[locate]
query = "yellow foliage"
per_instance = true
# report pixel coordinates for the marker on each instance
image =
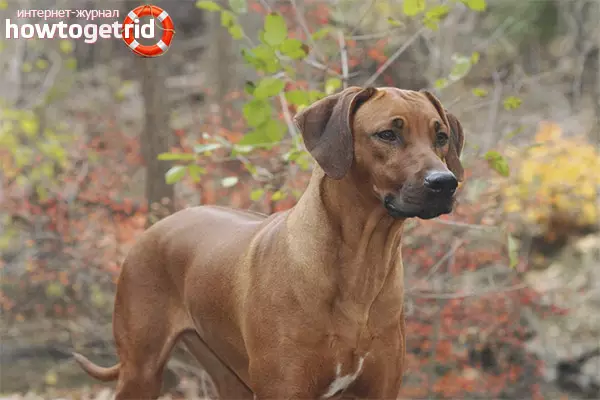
(555, 179)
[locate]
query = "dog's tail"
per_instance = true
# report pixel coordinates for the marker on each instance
(100, 373)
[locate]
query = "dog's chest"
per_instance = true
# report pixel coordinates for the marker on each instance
(346, 373)
(349, 350)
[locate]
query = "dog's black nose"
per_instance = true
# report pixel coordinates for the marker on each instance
(441, 182)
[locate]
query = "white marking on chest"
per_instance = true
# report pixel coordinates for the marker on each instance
(341, 382)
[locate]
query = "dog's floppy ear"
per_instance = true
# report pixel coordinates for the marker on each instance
(457, 137)
(326, 127)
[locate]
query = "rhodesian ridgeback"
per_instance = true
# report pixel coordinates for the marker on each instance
(305, 303)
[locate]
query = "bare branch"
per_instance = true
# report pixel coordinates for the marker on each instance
(288, 117)
(455, 246)
(39, 98)
(375, 35)
(362, 17)
(394, 56)
(266, 5)
(344, 54)
(303, 24)
(468, 226)
(493, 111)
(458, 295)
(321, 67)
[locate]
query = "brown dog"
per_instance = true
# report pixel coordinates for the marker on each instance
(306, 303)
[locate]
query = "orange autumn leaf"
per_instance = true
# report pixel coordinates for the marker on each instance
(377, 55)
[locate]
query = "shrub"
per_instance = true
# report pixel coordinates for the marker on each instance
(555, 187)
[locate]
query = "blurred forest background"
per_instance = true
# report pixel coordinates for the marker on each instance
(96, 143)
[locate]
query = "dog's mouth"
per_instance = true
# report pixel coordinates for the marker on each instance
(399, 208)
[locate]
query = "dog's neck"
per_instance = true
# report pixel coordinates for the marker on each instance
(364, 254)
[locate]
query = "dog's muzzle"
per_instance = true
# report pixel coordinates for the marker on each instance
(430, 200)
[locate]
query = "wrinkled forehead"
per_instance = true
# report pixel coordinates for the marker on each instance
(389, 103)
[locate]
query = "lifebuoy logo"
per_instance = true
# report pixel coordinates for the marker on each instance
(131, 31)
(131, 23)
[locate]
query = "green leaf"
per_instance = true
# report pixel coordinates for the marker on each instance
(413, 7)
(97, 297)
(497, 162)
(250, 168)
(238, 6)
(441, 83)
(290, 71)
(252, 60)
(41, 64)
(66, 46)
(315, 95)
(297, 97)
(512, 103)
(274, 129)
(230, 181)
(175, 174)
(263, 58)
(29, 126)
(275, 29)
(227, 18)
(332, 84)
(293, 48)
(3, 4)
(257, 112)
(320, 34)
(249, 87)
(71, 63)
(515, 132)
(256, 194)
(437, 12)
(55, 290)
(476, 5)
(176, 157)
(236, 31)
(475, 57)
(254, 138)
(42, 193)
(195, 172)
(513, 250)
(431, 24)
(462, 66)
(434, 15)
(304, 161)
(268, 87)
(237, 149)
(278, 195)
(480, 92)
(394, 23)
(292, 155)
(206, 148)
(208, 5)
(51, 378)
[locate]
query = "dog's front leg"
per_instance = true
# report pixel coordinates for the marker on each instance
(285, 377)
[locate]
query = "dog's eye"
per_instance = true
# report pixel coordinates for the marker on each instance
(388, 136)
(441, 139)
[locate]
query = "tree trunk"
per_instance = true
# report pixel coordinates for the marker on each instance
(155, 138)
(220, 45)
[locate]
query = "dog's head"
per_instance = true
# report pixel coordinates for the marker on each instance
(402, 144)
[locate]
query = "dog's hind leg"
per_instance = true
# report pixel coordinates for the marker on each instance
(147, 323)
(144, 350)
